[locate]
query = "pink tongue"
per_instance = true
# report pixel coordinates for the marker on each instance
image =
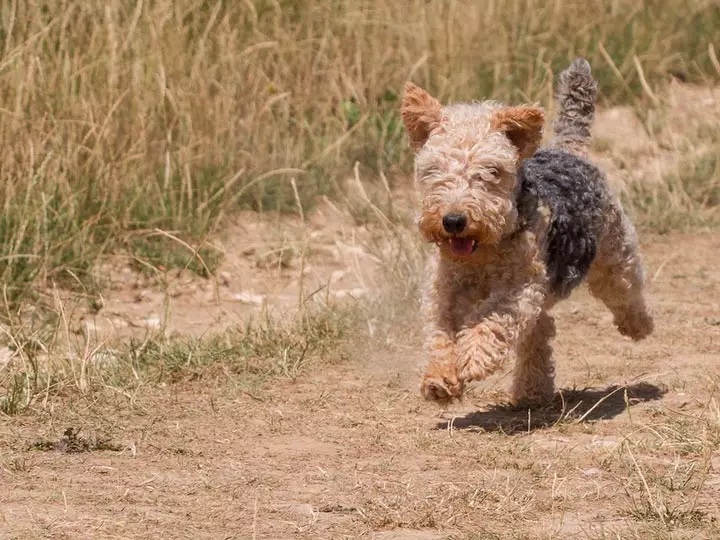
(461, 246)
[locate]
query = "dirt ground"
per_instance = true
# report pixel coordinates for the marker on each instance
(350, 450)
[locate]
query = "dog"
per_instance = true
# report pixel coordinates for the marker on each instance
(517, 228)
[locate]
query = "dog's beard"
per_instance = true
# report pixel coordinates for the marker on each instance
(463, 244)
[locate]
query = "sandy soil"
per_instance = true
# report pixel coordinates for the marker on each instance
(350, 450)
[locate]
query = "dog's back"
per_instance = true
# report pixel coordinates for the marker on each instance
(574, 191)
(571, 187)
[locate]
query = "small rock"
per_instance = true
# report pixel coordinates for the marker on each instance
(249, 298)
(153, 321)
(303, 510)
(592, 471)
(604, 442)
(102, 469)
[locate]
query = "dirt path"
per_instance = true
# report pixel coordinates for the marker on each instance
(350, 451)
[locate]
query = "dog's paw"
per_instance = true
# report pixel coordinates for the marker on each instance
(441, 390)
(638, 326)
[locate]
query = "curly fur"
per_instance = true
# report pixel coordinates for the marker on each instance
(536, 226)
(576, 95)
(574, 191)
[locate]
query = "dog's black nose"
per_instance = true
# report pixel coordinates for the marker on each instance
(454, 223)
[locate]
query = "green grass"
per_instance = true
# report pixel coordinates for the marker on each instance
(46, 365)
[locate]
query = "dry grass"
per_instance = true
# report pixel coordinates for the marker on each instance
(51, 350)
(687, 198)
(138, 126)
(59, 361)
(142, 127)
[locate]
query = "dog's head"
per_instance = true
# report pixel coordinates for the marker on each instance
(466, 167)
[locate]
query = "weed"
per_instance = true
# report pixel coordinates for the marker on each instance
(272, 346)
(17, 395)
(72, 442)
(20, 465)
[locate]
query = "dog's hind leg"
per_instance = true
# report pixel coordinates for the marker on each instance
(616, 276)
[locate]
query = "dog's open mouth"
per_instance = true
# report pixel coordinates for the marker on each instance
(462, 246)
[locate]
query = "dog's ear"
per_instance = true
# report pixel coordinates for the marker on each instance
(421, 114)
(523, 125)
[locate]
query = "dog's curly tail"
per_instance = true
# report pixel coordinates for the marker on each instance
(576, 95)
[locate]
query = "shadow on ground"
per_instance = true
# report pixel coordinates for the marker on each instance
(570, 405)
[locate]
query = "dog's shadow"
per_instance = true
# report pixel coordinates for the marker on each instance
(571, 405)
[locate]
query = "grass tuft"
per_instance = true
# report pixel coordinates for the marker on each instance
(59, 363)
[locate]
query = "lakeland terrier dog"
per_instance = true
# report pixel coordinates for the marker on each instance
(517, 230)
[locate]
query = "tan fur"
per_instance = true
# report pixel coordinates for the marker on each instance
(616, 277)
(482, 308)
(533, 380)
(523, 126)
(421, 114)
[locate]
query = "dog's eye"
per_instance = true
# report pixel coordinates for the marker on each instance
(489, 174)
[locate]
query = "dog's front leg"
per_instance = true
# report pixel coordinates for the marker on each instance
(491, 332)
(440, 380)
